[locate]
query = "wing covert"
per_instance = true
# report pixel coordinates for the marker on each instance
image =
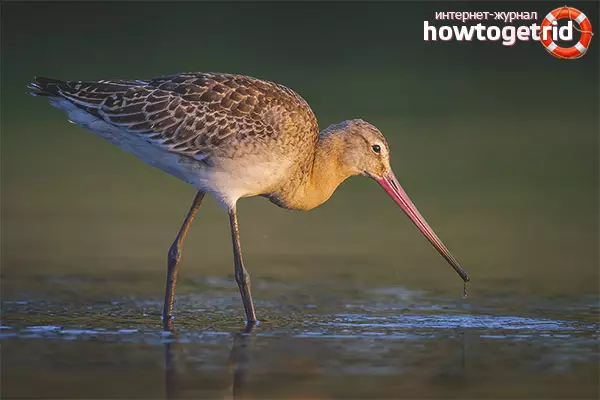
(192, 113)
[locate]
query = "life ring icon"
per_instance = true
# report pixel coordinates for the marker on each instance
(585, 27)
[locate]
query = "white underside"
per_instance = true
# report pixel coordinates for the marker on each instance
(247, 178)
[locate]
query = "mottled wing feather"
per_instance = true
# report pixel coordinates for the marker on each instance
(171, 120)
(86, 95)
(195, 113)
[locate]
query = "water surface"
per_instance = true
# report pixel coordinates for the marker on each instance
(354, 342)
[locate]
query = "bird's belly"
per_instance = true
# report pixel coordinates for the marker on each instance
(231, 179)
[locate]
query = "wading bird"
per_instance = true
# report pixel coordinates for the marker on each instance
(232, 136)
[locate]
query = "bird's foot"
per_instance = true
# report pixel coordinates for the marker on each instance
(250, 325)
(168, 324)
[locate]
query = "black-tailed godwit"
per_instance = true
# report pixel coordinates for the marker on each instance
(232, 136)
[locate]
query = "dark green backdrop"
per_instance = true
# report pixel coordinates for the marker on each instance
(498, 146)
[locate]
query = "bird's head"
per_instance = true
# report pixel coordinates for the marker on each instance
(364, 151)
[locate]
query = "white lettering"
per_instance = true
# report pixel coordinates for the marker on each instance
(566, 32)
(480, 28)
(445, 33)
(535, 31)
(496, 33)
(545, 31)
(523, 33)
(508, 35)
(463, 33)
(428, 29)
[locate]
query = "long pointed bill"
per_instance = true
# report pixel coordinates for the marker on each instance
(390, 184)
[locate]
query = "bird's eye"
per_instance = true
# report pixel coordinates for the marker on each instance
(376, 148)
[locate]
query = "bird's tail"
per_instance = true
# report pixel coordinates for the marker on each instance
(45, 86)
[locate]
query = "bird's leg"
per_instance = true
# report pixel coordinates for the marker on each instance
(241, 275)
(174, 257)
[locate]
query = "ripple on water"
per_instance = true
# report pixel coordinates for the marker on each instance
(357, 326)
(452, 321)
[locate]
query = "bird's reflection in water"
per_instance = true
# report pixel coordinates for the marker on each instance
(238, 360)
(238, 363)
(170, 369)
(302, 366)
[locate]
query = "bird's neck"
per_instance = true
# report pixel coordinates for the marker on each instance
(326, 173)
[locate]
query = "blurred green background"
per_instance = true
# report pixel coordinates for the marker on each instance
(497, 146)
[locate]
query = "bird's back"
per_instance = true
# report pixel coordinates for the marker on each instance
(218, 120)
(193, 113)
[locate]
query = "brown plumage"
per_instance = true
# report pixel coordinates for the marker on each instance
(232, 136)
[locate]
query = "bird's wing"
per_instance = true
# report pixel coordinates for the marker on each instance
(191, 114)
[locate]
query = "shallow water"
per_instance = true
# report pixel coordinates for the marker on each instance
(387, 342)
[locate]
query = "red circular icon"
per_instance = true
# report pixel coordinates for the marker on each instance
(585, 28)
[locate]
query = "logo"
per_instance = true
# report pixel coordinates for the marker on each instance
(548, 33)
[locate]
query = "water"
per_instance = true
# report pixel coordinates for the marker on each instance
(312, 342)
